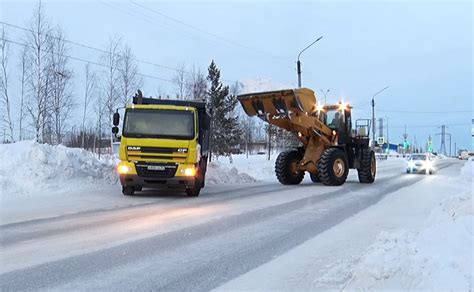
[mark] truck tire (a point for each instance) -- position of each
(333, 167)
(195, 189)
(368, 167)
(285, 168)
(314, 177)
(128, 191)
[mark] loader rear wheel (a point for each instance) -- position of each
(314, 177)
(286, 168)
(368, 167)
(333, 167)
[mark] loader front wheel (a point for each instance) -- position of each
(286, 168)
(368, 167)
(333, 167)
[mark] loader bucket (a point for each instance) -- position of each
(281, 102)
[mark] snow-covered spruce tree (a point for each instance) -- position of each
(225, 130)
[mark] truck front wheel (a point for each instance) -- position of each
(128, 191)
(195, 189)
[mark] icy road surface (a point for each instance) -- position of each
(171, 242)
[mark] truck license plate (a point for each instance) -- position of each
(156, 167)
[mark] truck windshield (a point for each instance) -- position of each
(159, 123)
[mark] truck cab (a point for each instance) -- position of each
(164, 144)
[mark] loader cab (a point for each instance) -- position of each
(338, 118)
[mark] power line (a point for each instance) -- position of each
(433, 126)
(86, 61)
(105, 52)
(216, 36)
(424, 112)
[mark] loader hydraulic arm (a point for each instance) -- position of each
(295, 110)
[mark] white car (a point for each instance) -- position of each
(420, 163)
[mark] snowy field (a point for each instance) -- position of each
(418, 236)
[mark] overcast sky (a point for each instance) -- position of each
(422, 50)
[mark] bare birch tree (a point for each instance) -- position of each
(110, 83)
(89, 93)
(5, 97)
(38, 42)
(179, 80)
(129, 79)
(23, 79)
(196, 84)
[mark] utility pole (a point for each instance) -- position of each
(405, 145)
(298, 63)
(373, 116)
(442, 147)
(388, 141)
(325, 94)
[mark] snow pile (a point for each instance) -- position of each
(28, 167)
(261, 84)
(437, 257)
(219, 173)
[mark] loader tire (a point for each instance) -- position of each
(314, 177)
(285, 168)
(333, 167)
(368, 167)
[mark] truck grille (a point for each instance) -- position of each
(137, 153)
(160, 170)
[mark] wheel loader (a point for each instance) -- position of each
(330, 147)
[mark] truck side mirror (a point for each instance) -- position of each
(116, 119)
(115, 130)
(206, 123)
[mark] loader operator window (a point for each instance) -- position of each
(158, 123)
(334, 119)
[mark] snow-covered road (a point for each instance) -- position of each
(170, 242)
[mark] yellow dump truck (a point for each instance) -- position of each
(164, 144)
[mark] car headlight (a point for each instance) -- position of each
(428, 165)
(411, 164)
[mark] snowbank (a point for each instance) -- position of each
(218, 173)
(437, 257)
(28, 168)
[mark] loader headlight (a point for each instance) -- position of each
(189, 171)
(123, 169)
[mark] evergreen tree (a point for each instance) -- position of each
(225, 130)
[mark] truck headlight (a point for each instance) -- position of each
(189, 171)
(123, 169)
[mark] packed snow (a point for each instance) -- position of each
(419, 237)
(439, 256)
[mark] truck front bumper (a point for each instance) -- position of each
(153, 182)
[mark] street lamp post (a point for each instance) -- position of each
(298, 63)
(373, 115)
(325, 93)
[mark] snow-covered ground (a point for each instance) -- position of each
(420, 237)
